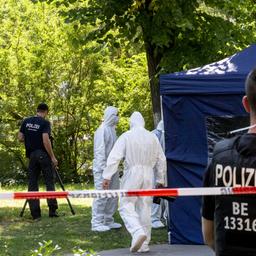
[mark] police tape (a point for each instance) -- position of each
(173, 192)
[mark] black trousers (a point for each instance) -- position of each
(39, 161)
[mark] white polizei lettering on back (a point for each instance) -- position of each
(251, 172)
(33, 126)
(219, 172)
(243, 176)
(255, 178)
(227, 176)
(235, 184)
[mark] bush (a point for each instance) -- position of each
(47, 248)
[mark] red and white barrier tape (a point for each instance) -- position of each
(174, 192)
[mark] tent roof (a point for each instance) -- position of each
(226, 76)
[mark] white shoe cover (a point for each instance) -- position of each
(115, 225)
(137, 242)
(157, 224)
(102, 228)
(144, 248)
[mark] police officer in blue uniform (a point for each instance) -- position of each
(229, 222)
(35, 132)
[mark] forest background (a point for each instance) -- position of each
(81, 56)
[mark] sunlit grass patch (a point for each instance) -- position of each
(18, 236)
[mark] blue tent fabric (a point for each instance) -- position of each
(188, 98)
(215, 78)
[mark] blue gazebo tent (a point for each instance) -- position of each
(188, 99)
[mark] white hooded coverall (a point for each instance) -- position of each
(156, 208)
(103, 209)
(142, 153)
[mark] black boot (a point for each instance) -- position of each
(53, 212)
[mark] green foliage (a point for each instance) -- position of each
(12, 171)
(97, 54)
(176, 34)
(46, 248)
(44, 59)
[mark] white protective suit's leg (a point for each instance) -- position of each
(164, 211)
(99, 204)
(130, 216)
(144, 209)
(112, 203)
(155, 213)
(136, 211)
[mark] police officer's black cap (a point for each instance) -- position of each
(42, 107)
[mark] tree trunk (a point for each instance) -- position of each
(153, 64)
(153, 61)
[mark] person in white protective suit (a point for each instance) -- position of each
(141, 152)
(103, 209)
(156, 208)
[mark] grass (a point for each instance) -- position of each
(18, 236)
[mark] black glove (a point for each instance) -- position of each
(157, 199)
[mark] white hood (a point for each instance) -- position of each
(160, 126)
(136, 120)
(110, 116)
